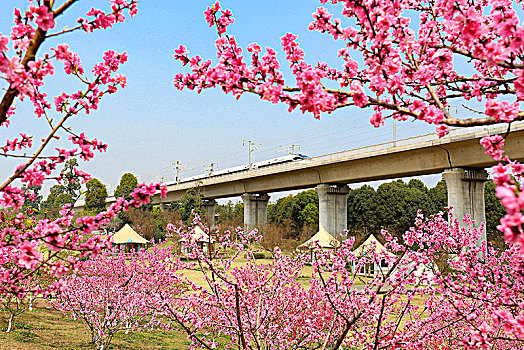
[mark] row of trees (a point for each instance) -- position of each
(39, 248)
(255, 305)
(392, 206)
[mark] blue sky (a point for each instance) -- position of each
(151, 124)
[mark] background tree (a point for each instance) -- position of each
(230, 214)
(96, 194)
(309, 216)
(362, 208)
(70, 179)
(191, 200)
(293, 213)
(33, 198)
(394, 205)
(285, 210)
(398, 203)
(55, 200)
(307, 205)
(66, 192)
(439, 196)
(494, 211)
(152, 223)
(128, 183)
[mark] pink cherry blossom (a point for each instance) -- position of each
(493, 146)
(44, 18)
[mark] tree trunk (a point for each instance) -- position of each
(10, 325)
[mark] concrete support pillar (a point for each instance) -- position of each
(209, 206)
(332, 208)
(466, 193)
(255, 210)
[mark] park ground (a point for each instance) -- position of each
(44, 328)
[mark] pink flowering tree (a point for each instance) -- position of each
(408, 304)
(16, 303)
(24, 68)
(115, 291)
(478, 304)
(396, 68)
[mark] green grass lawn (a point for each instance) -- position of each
(46, 329)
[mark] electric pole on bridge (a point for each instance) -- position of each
(252, 146)
(211, 168)
(178, 166)
(292, 149)
(394, 131)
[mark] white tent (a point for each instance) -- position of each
(367, 245)
(199, 235)
(373, 267)
(325, 240)
(127, 235)
(204, 241)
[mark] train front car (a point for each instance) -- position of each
(279, 160)
(300, 156)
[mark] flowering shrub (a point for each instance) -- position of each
(14, 304)
(29, 249)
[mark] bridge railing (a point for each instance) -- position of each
(461, 133)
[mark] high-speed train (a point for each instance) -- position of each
(257, 165)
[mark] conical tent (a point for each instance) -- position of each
(127, 235)
(202, 239)
(199, 235)
(368, 243)
(325, 240)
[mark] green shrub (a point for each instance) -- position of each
(259, 255)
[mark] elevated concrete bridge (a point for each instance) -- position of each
(459, 156)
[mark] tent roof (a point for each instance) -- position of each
(371, 240)
(127, 235)
(199, 235)
(324, 238)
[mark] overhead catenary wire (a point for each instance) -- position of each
(315, 134)
(314, 139)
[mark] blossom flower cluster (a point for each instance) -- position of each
(23, 239)
(119, 291)
(408, 70)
